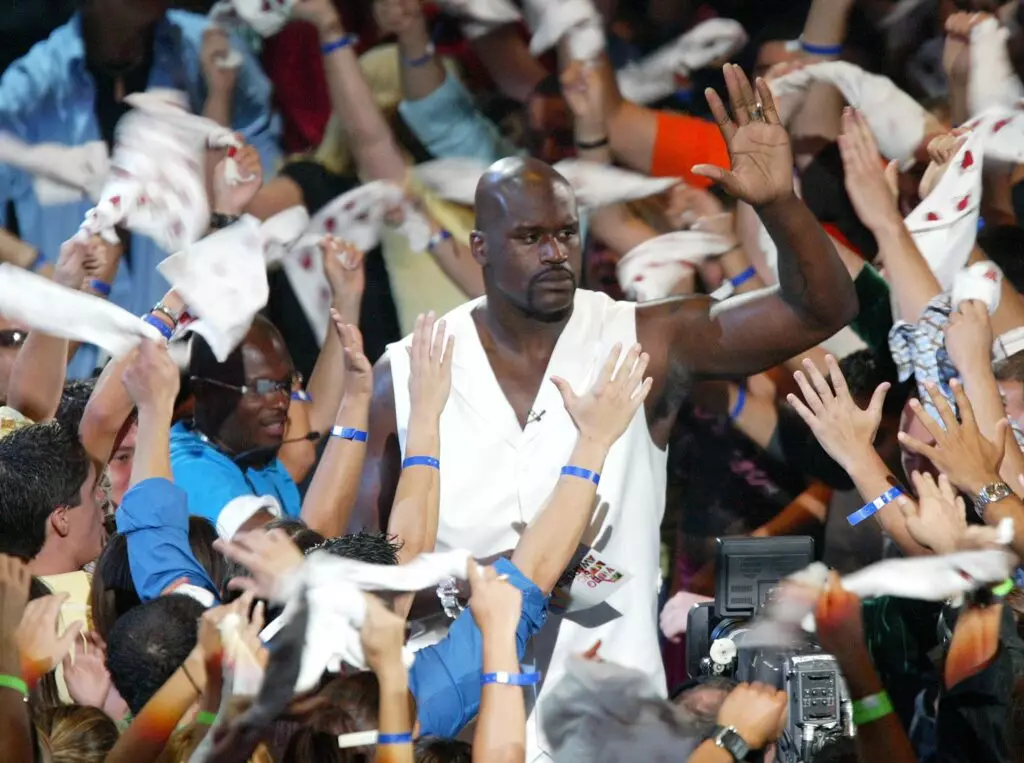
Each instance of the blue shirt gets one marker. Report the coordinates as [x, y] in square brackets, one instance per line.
[211, 479]
[445, 678]
[154, 517]
[49, 96]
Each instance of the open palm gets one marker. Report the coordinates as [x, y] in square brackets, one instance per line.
[759, 150]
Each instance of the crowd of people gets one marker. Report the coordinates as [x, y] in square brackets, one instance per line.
[469, 329]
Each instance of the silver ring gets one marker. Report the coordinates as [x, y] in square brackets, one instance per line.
[756, 113]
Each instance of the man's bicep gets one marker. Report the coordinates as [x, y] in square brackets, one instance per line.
[379, 480]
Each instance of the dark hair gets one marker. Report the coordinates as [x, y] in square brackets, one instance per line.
[42, 466]
[201, 535]
[1003, 245]
[73, 400]
[372, 548]
[836, 750]
[440, 750]
[78, 734]
[342, 706]
[112, 592]
[149, 643]
[1010, 368]
[864, 370]
[301, 536]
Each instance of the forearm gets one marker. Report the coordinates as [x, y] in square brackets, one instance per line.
[552, 537]
[298, 457]
[413, 47]
[508, 60]
[15, 726]
[455, 259]
[37, 376]
[983, 393]
[374, 146]
[152, 447]
[414, 514]
[620, 229]
[500, 735]
[393, 713]
[16, 251]
[911, 280]
[882, 739]
[1008, 508]
[872, 478]
[825, 26]
[805, 511]
[812, 277]
[327, 382]
[332, 493]
[218, 107]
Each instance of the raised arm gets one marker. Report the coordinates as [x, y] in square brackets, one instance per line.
[815, 296]
[383, 465]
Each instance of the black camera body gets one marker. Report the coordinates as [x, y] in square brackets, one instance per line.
[749, 570]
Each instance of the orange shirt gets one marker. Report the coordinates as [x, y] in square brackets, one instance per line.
[681, 142]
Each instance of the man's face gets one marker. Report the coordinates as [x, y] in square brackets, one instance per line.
[549, 135]
[259, 420]
[1012, 393]
[120, 467]
[532, 254]
[85, 523]
[138, 13]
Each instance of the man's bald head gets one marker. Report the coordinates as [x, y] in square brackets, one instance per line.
[527, 236]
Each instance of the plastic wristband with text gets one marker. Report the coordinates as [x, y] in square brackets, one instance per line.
[743, 277]
[206, 718]
[741, 402]
[871, 708]
[14, 683]
[349, 433]
[342, 42]
[100, 287]
[510, 679]
[821, 50]
[870, 509]
[405, 738]
[430, 461]
[302, 396]
[585, 474]
[159, 325]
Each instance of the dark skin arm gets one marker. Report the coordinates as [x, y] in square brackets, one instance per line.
[815, 296]
[383, 464]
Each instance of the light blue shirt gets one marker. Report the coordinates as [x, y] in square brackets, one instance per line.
[211, 479]
[49, 96]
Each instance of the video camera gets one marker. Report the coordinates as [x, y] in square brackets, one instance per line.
[749, 570]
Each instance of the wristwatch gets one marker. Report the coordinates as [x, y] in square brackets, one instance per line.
[994, 492]
[729, 740]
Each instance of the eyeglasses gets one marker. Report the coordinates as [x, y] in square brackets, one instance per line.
[259, 388]
[12, 337]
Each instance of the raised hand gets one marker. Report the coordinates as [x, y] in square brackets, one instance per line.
[343, 267]
[759, 150]
[430, 367]
[494, 602]
[844, 430]
[220, 79]
[382, 635]
[941, 150]
[583, 88]
[939, 518]
[358, 369]
[232, 198]
[14, 582]
[872, 190]
[152, 378]
[69, 271]
[604, 412]
[961, 451]
[86, 675]
[969, 336]
[840, 627]
[398, 17]
[41, 644]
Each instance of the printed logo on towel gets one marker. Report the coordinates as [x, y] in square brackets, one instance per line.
[588, 581]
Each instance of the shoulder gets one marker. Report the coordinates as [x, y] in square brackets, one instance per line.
[189, 450]
[47, 63]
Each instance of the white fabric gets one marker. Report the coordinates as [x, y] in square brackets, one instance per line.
[843, 343]
[240, 510]
[896, 120]
[337, 607]
[496, 475]
[39, 304]
[945, 224]
[61, 174]
[223, 279]
[452, 179]
[981, 281]
[654, 77]
[1004, 133]
[992, 80]
[282, 231]
[265, 17]
[652, 269]
[551, 20]
[1009, 343]
[481, 16]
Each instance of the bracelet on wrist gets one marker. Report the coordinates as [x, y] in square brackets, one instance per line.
[349, 433]
[405, 738]
[102, 288]
[740, 404]
[591, 145]
[14, 683]
[870, 509]
[345, 41]
[820, 50]
[430, 461]
[743, 277]
[436, 240]
[871, 708]
[37, 262]
[428, 55]
[206, 718]
[585, 474]
[166, 331]
[511, 679]
[301, 396]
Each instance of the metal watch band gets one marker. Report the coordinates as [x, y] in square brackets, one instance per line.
[727, 738]
[994, 492]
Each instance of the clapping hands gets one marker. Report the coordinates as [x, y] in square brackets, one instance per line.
[430, 361]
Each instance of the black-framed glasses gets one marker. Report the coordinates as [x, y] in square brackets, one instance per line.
[12, 337]
[261, 388]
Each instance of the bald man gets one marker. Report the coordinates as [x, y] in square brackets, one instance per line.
[505, 435]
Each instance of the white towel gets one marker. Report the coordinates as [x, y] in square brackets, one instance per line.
[452, 179]
[897, 121]
[992, 80]
[61, 174]
[551, 20]
[240, 510]
[282, 231]
[334, 588]
[40, 304]
[654, 77]
[1004, 133]
[265, 17]
[223, 278]
[981, 281]
[481, 16]
[651, 270]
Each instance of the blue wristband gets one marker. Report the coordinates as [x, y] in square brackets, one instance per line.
[405, 738]
[430, 461]
[159, 325]
[342, 42]
[510, 679]
[349, 433]
[586, 474]
[821, 50]
[743, 277]
[870, 509]
[741, 401]
[423, 60]
[302, 396]
[38, 262]
[100, 287]
[437, 238]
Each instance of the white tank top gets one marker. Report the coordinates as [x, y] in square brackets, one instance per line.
[495, 477]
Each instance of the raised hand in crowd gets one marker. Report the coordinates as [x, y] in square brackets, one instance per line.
[582, 85]
[232, 196]
[358, 370]
[152, 378]
[41, 641]
[941, 150]
[399, 17]
[319, 13]
[969, 337]
[383, 637]
[872, 190]
[269, 556]
[343, 267]
[220, 79]
[430, 367]
[939, 519]
[70, 271]
[15, 724]
[85, 672]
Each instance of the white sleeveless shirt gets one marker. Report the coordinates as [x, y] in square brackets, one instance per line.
[496, 476]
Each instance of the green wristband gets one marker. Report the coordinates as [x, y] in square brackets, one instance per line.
[13, 682]
[871, 708]
[206, 718]
[1003, 588]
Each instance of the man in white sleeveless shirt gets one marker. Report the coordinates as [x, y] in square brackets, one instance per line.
[505, 434]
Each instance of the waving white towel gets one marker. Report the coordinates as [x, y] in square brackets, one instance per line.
[652, 269]
[61, 174]
[992, 80]
[265, 17]
[551, 20]
[42, 305]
